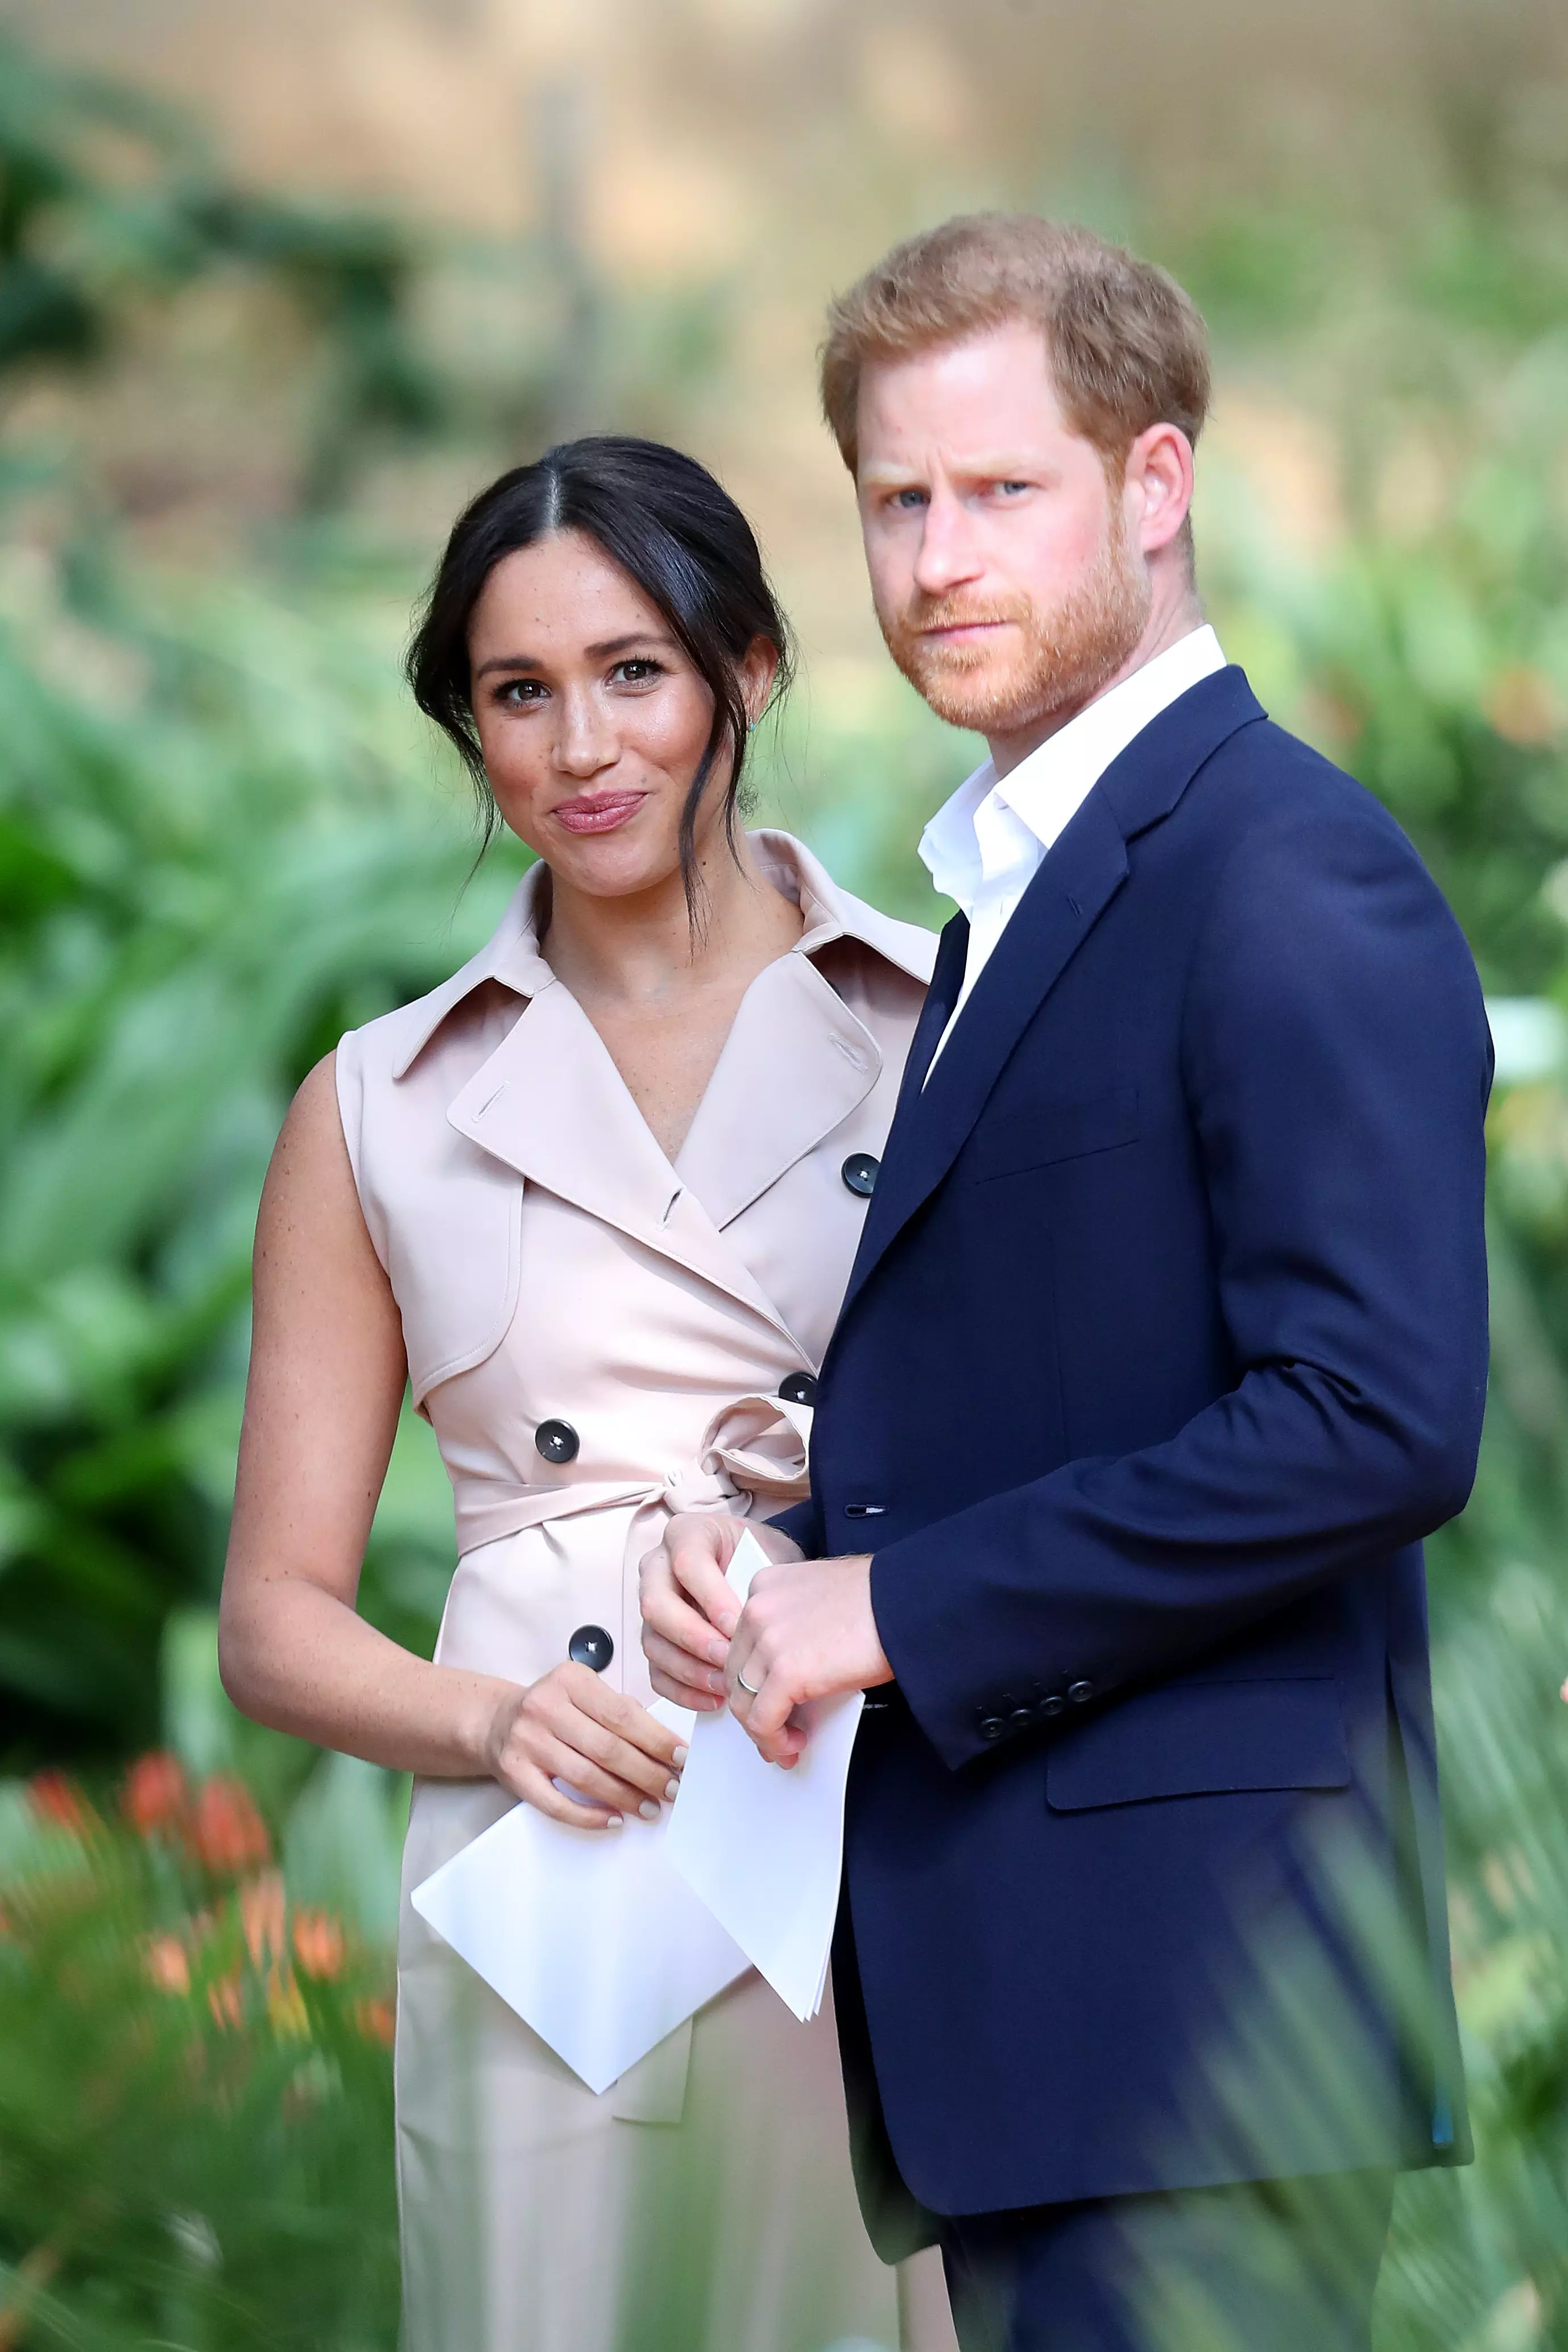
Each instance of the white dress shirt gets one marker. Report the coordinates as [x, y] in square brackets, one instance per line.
[983, 847]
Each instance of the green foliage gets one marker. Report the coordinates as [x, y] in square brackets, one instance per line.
[196, 2098]
[208, 872]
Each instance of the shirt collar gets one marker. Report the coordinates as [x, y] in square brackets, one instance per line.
[1046, 790]
[511, 954]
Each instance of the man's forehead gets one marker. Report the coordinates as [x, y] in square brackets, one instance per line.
[991, 394]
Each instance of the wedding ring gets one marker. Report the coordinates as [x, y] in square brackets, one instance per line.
[753, 1690]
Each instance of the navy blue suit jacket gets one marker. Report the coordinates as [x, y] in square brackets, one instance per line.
[1165, 1345]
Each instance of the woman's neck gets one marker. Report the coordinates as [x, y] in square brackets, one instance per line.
[643, 951]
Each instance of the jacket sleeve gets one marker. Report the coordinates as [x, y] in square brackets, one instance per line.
[1336, 1064]
[802, 1523]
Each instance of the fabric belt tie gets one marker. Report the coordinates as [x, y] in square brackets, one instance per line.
[755, 1449]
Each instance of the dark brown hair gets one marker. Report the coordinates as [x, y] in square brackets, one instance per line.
[674, 531]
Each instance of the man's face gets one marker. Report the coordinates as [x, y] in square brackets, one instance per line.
[1004, 577]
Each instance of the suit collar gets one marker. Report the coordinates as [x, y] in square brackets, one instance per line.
[1077, 880]
[1144, 783]
[1045, 791]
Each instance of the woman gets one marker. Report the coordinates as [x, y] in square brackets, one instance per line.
[596, 1198]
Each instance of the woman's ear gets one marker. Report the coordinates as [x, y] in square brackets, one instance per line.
[758, 672]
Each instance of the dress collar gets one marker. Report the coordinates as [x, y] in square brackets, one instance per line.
[511, 954]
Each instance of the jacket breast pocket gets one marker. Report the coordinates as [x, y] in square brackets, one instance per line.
[1194, 1739]
[1056, 1131]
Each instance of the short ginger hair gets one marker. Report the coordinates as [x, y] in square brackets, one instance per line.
[1127, 346]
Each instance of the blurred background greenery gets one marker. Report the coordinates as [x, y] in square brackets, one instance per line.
[275, 292]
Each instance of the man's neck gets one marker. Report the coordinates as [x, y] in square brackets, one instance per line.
[1172, 617]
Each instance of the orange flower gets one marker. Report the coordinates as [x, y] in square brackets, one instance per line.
[168, 1964]
[319, 1945]
[155, 1793]
[377, 2021]
[226, 1831]
[262, 1915]
[57, 1800]
[226, 2001]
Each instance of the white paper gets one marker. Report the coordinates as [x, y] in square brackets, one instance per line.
[591, 1936]
[765, 1848]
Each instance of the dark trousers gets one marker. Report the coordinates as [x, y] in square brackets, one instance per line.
[1281, 2266]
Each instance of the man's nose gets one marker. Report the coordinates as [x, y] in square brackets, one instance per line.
[949, 553]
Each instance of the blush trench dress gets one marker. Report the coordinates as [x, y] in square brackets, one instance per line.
[600, 1338]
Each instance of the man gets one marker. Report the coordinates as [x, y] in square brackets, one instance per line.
[1165, 1347]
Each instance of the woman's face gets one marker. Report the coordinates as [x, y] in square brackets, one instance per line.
[591, 718]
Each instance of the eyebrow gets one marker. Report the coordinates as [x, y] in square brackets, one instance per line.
[600, 652]
[1007, 466]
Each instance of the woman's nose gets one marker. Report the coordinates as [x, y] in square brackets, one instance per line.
[583, 744]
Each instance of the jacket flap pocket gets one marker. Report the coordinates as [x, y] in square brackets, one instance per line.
[1006, 1147]
[1192, 1740]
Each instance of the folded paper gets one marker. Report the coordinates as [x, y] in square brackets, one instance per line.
[762, 1847]
[592, 1935]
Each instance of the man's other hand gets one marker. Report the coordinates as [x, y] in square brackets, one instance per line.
[806, 1632]
[689, 1612]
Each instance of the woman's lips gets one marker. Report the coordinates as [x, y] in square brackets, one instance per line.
[602, 812]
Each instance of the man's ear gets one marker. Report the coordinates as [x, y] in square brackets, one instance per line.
[1157, 486]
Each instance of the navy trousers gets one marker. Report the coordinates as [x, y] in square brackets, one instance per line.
[1277, 2267]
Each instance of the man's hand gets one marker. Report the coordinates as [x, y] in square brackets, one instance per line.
[689, 1612]
[806, 1632]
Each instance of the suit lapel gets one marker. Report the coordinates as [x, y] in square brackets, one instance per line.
[952, 956]
[1077, 880]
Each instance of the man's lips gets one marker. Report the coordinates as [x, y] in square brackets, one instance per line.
[952, 632]
[598, 812]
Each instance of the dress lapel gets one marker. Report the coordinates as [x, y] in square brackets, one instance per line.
[552, 1104]
[795, 1064]
[1077, 880]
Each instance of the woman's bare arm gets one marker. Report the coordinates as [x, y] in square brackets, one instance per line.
[326, 1378]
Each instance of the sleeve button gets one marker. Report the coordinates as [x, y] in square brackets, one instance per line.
[991, 1727]
[1081, 1692]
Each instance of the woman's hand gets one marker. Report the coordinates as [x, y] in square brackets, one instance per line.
[570, 1725]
